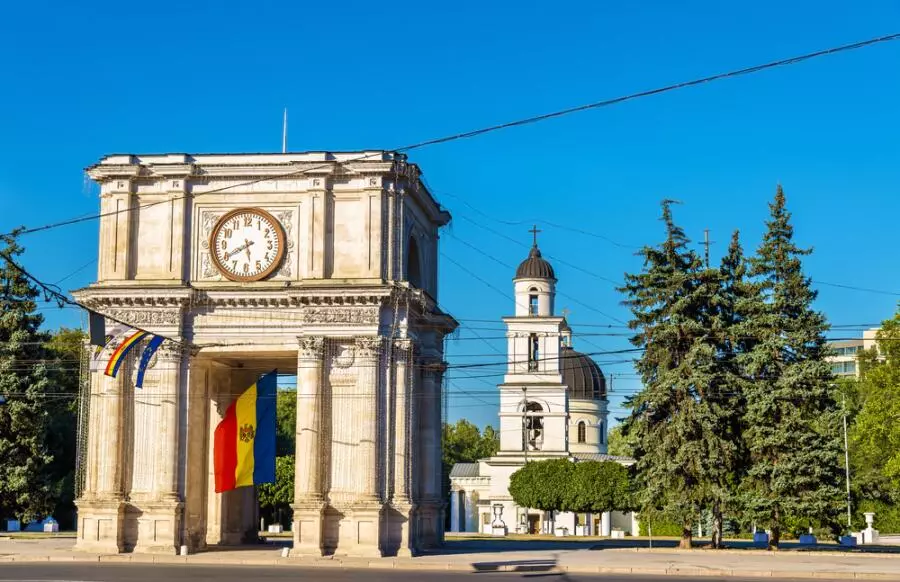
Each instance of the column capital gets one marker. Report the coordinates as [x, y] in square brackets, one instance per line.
[369, 347]
[434, 366]
[310, 346]
[174, 350]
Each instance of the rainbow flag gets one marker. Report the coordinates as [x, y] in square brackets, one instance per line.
[118, 356]
[244, 445]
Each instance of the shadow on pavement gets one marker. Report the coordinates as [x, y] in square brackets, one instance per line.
[516, 566]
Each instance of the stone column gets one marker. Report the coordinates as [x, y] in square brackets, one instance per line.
[431, 506]
[159, 525]
[309, 501]
[365, 511]
[101, 514]
[454, 510]
[404, 415]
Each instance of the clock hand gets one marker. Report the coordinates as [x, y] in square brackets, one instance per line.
[234, 252]
[247, 244]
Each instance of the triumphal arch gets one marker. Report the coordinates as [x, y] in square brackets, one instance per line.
[338, 283]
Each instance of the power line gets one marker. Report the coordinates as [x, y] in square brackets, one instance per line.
[507, 125]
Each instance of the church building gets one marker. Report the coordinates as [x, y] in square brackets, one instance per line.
[553, 404]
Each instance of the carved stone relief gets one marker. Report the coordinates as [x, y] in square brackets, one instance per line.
[357, 315]
[286, 218]
[145, 317]
[208, 222]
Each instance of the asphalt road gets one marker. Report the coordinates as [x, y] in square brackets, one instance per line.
[167, 573]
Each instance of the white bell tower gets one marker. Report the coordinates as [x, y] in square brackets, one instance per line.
[533, 401]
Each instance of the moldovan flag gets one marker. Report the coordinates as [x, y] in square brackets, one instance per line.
[244, 448]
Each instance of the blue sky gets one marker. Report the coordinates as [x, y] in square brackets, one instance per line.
[82, 81]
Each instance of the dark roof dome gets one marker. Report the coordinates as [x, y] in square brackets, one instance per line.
[535, 266]
[581, 375]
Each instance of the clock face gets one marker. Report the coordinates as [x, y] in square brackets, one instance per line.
[247, 244]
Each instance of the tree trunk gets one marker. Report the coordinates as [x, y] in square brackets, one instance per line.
[686, 537]
[717, 526]
[775, 537]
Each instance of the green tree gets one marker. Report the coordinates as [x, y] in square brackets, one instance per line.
[792, 418]
[619, 444]
[286, 422]
[680, 422]
[875, 434]
[543, 485]
[276, 498]
[64, 351]
[26, 490]
[597, 487]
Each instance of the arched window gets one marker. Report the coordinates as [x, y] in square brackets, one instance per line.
[413, 264]
[532, 301]
[533, 433]
[582, 432]
[602, 433]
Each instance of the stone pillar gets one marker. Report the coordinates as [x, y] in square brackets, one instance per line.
[605, 524]
[309, 502]
[404, 416]
[454, 510]
[101, 512]
[365, 511]
[159, 524]
[431, 506]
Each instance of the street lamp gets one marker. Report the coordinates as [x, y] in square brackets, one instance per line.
[846, 458]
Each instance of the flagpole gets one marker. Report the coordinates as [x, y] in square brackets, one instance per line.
[284, 133]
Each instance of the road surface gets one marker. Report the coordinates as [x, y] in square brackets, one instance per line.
[198, 573]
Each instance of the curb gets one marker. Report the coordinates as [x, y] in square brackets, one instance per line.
[405, 564]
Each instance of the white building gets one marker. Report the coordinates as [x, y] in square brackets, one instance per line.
[553, 404]
[844, 362]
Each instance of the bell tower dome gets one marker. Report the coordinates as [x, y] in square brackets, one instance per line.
[535, 284]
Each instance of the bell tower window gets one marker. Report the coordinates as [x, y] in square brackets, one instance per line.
[532, 301]
[582, 432]
[534, 352]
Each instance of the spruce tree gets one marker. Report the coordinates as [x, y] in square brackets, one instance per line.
[680, 422]
[25, 487]
[735, 293]
[792, 419]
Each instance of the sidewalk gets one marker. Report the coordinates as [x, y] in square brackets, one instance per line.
[476, 555]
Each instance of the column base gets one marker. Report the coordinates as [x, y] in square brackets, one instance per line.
[154, 527]
[403, 532]
[308, 524]
[429, 524]
[100, 525]
[364, 539]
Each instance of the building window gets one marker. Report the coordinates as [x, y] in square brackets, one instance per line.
[843, 368]
[534, 352]
[532, 302]
[582, 432]
[533, 435]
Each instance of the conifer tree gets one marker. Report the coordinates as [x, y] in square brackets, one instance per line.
[792, 419]
[25, 488]
[734, 298]
[684, 445]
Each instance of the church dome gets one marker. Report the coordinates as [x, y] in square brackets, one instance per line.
[581, 375]
[535, 266]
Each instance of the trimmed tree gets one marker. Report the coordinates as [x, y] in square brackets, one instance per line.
[598, 487]
[26, 489]
[792, 418]
[543, 485]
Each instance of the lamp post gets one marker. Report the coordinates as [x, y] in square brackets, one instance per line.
[846, 462]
